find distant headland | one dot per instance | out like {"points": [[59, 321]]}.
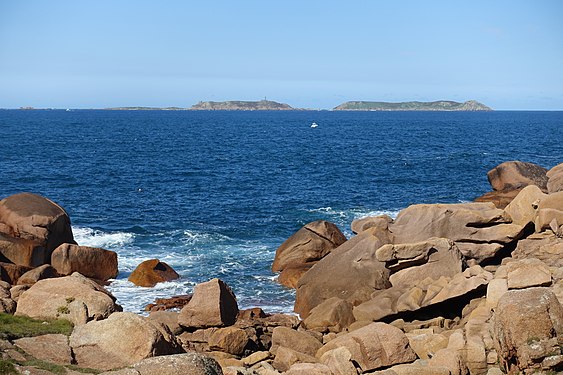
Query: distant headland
{"points": [[262, 105], [440, 105]]}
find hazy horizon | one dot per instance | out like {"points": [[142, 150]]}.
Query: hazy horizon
{"points": [[64, 54]]}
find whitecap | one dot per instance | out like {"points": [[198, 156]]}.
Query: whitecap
{"points": [[85, 236]]}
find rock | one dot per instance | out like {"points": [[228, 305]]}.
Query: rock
{"points": [[426, 343], [350, 272], [290, 276], [522, 210], [464, 223], [555, 179], [74, 298], [513, 175], [526, 273], [91, 262], [381, 221], [187, 363], [167, 318], [286, 357], [409, 263], [374, 346], [545, 246], [152, 271], [120, 340], [33, 217], [213, 305], [339, 361], [308, 245], [12, 272], [52, 348], [16, 291], [7, 305], [230, 340], [21, 251], [500, 199], [308, 369], [333, 315], [550, 208], [528, 327], [256, 357], [299, 341], [495, 290], [42, 272], [174, 302]]}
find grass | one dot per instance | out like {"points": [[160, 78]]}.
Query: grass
{"points": [[7, 368], [15, 327]]}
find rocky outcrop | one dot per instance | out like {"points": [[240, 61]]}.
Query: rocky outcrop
{"points": [[42, 272], [75, 298], [33, 217], [555, 179], [528, 330], [512, 175], [91, 262], [213, 305], [304, 248], [151, 272], [120, 340], [187, 363], [21, 251], [350, 272]]}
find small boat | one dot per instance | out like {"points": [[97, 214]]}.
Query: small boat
{"points": [[314, 125]]}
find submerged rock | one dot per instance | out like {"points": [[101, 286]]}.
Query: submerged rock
{"points": [[151, 272]]}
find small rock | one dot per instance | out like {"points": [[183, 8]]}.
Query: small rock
{"points": [[151, 272]]}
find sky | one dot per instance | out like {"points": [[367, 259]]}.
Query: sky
{"points": [[309, 54]]}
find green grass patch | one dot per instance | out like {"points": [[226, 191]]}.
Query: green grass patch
{"points": [[7, 368], [15, 327]]}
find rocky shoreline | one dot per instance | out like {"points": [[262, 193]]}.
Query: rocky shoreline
{"points": [[472, 288]]}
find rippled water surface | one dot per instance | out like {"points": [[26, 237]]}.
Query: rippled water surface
{"points": [[214, 194]]}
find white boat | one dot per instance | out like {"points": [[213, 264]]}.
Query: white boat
{"points": [[314, 125]]}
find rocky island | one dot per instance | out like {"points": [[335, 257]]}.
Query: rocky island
{"points": [[441, 105], [237, 105], [452, 289]]}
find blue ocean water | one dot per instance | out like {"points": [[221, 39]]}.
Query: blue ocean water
{"points": [[215, 193]]}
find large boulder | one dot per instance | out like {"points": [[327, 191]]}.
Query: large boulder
{"points": [[523, 209], [11, 272], [528, 330], [120, 340], [151, 272], [350, 272], [545, 246], [42, 272], [513, 175], [33, 217], [374, 346], [75, 298], [52, 348], [91, 262], [213, 304], [555, 179], [332, 315], [308, 245], [21, 251], [299, 341], [187, 363], [478, 229], [550, 212]]}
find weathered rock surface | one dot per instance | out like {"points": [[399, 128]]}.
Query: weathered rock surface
{"points": [[299, 341], [350, 272], [33, 217], [308, 245], [545, 246], [230, 340], [550, 212], [290, 276], [374, 346], [151, 272], [52, 348], [174, 302], [381, 221], [42, 272], [332, 315], [308, 369], [286, 357], [21, 251], [527, 273], [528, 329], [523, 209], [74, 298], [186, 363], [555, 179], [91, 262], [11, 273], [213, 305], [500, 199], [513, 175], [339, 361], [120, 340], [470, 225]]}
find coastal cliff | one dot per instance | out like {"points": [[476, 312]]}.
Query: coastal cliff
{"points": [[441, 105], [262, 105]]}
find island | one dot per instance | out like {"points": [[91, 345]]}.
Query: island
{"points": [[262, 105], [145, 109], [440, 105]]}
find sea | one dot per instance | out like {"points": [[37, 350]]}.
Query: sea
{"points": [[214, 193]]}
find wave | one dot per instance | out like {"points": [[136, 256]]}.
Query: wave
{"points": [[192, 237], [85, 236], [354, 213]]}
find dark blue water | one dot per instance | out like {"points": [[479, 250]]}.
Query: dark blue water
{"points": [[214, 193]]}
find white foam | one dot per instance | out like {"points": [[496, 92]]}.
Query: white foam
{"points": [[355, 213], [85, 236]]}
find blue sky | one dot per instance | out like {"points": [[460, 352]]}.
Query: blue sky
{"points": [[314, 54]]}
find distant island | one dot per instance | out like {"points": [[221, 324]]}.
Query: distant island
{"points": [[145, 109], [262, 105], [441, 105]]}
